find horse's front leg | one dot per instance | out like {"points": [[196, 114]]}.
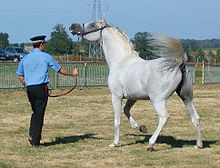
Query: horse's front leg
{"points": [[117, 105]]}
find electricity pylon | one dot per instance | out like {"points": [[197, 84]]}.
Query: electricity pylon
{"points": [[95, 48]]}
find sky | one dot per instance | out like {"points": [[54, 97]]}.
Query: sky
{"points": [[181, 19]]}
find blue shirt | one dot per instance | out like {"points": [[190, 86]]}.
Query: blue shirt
{"points": [[34, 67]]}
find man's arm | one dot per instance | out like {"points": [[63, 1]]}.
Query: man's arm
{"points": [[66, 72], [22, 80]]}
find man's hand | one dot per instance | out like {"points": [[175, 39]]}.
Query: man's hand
{"points": [[75, 71], [63, 71]]}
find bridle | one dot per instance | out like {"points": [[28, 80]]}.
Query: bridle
{"points": [[93, 31]]}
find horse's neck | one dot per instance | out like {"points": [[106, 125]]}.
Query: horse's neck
{"points": [[115, 48]]}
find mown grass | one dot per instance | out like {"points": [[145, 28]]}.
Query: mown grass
{"points": [[79, 127]]}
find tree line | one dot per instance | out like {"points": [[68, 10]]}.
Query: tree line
{"points": [[213, 43], [61, 44]]}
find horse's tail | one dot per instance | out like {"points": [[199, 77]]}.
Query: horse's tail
{"points": [[168, 48]]}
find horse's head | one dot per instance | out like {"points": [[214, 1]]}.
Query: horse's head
{"points": [[89, 31]]}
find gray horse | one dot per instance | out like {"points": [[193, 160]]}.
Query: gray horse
{"points": [[133, 78]]}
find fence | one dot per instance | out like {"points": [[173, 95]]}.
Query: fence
{"points": [[90, 74], [211, 73], [192, 70]]}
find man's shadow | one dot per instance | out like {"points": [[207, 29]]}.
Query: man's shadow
{"points": [[169, 140], [70, 139]]}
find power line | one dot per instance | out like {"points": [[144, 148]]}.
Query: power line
{"points": [[169, 29], [191, 19], [152, 24], [42, 11], [197, 5]]}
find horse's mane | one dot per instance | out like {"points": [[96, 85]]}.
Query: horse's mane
{"points": [[163, 47], [127, 41]]}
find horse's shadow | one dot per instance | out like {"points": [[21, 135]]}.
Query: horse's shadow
{"points": [[70, 139], [169, 140]]}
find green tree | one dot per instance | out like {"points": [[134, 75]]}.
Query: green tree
{"points": [[17, 45], [4, 40], [218, 56], [14, 45], [141, 41], [59, 43], [187, 50], [200, 56], [211, 56], [84, 48], [194, 51]]}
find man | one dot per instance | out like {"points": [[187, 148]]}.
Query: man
{"points": [[33, 74]]}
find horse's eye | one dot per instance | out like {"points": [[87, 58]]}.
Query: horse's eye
{"points": [[92, 25]]}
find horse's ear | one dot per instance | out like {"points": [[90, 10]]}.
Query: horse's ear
{"points": [[103, 20]]}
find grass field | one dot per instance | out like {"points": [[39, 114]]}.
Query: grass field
{"points": [[79, 127]]}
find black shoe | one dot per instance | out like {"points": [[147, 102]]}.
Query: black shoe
{"points": [[37, 146], [30, 139]]}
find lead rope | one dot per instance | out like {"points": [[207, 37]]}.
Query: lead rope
{"points": [[63, 94]]}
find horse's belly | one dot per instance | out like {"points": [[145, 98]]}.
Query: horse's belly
{"points": [[136, 95], [137, 98]]}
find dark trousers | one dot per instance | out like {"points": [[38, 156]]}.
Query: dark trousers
{"points": [[38, 96]]}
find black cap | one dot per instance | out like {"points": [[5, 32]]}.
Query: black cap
{"points": [[38, 39]]}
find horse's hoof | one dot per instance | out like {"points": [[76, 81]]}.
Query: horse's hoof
{"points": [[150, 149], [143, 129], [113, 145], [198, 147]]}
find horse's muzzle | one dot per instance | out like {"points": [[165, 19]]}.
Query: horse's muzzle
{"points": [[76, 29]]}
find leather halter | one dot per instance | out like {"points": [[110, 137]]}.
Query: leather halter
{"points": [[93, 31]]}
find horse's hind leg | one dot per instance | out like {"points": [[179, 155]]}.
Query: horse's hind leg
{"points": [[127, 108], [185, 92], [195, 120], [133, 123]]}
